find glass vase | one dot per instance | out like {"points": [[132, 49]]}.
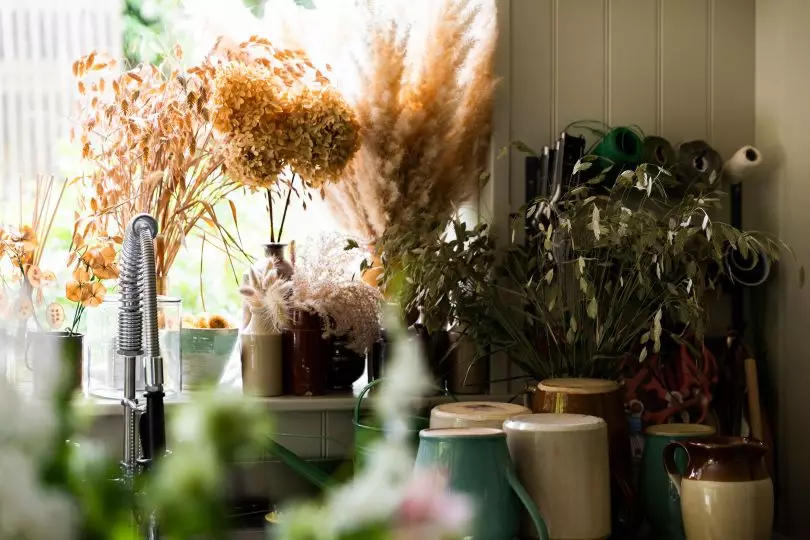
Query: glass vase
{"points": [[104, 372]]}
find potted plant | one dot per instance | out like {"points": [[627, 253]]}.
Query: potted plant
{"points": [[443, 273], [332, 311], [24, 283], [266, 297], [609, 272], [294, 133]]}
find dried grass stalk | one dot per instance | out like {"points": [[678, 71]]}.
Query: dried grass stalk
{"points": [[148, 136]]}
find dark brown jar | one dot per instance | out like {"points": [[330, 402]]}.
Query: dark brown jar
{"points": [[306, 355]]}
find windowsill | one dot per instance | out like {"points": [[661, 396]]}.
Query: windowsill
{"points": [[343, 402]]}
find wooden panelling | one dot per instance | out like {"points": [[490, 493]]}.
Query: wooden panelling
{"points": [[683, 69]]}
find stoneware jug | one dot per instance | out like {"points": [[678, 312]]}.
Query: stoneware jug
{"points": [[476, 462], [725, 489], [661, 502], [562, 460]]}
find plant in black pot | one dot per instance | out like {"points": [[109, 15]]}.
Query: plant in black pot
{"points": [[326, 286]]}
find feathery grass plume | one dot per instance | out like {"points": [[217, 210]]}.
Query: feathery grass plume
{"points": [[425, 122], [325, 283]]}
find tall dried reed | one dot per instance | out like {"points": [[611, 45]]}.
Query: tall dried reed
{"points": [[425, 122]]}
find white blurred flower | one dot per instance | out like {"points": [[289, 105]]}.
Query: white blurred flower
{"points": [[27, 509]]}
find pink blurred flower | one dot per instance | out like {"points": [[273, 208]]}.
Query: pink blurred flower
{"points": [[430, 506]]}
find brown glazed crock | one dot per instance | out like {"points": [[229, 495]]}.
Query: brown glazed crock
{"points": [[306, 355], [721, 459], [602, 398]]}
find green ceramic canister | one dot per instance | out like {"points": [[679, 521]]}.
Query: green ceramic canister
{"points": [[662, 505], [477, 464]]}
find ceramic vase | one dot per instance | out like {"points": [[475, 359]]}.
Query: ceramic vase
{"points": [[306, 355], [604, 399], [476, 462], [55, 359], [562, 460], [659, 498], [262, 365], [725, 489]]}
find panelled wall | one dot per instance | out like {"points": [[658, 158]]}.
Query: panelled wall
{"points": [[682, 69]]}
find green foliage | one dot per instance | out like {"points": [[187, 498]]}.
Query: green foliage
{"points": [[186, 490], [444, 269], [609, 271]]}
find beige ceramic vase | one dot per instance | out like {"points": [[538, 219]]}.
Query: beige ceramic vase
{"points": [[725, 490], [262, 365], [485, 414], [562, 460]]}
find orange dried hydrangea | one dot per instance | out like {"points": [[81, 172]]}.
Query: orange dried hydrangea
{"points": [[275, 112]]}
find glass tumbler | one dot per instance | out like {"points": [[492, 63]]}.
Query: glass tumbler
{"points": [[104, 371]]}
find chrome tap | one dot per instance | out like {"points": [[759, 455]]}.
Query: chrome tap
{"points": [[138, 338]]}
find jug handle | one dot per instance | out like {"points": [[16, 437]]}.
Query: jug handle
{"points": [[672, 468], [528, 503]]}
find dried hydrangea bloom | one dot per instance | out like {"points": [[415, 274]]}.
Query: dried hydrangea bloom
{"points": [[277, 113]]}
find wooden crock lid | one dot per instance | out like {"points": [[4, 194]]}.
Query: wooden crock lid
{"points": [[680, 429], [477, 411], [578, 386]]}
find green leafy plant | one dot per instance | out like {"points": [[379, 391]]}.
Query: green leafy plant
{"points": [[611, 270]]}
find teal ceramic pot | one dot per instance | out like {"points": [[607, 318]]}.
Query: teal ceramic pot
{"points": [[477, 464], [660, 499]]}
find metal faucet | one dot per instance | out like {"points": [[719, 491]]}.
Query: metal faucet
{"points": [[138, 338]]}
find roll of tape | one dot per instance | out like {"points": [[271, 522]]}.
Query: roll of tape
{"points": [[742, 164], [697, 160], [658, 151], [622, 146]]}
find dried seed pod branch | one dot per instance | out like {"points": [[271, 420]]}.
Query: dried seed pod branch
{"points": [[148, 135]]}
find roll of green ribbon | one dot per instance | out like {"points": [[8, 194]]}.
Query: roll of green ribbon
{"points": [[622, 146], [658, 151]]}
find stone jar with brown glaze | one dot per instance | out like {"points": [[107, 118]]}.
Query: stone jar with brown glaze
{"points": [[725, 490], [604, 399], [306, 355]]}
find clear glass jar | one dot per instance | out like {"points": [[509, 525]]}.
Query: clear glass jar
{"points": [[104, 370]]}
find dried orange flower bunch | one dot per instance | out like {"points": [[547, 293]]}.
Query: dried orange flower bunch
{"points": [[278, 113], [148, 135], [426, 120], [22, 280], [94, 264]]}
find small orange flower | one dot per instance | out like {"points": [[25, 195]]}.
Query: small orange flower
{"points": [[73, 291], [26, 236], [47, 275], [81, 275], [104, 266], [93, 294]]}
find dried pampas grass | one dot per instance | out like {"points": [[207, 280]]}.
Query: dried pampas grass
{"points": [[425, 122]]}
